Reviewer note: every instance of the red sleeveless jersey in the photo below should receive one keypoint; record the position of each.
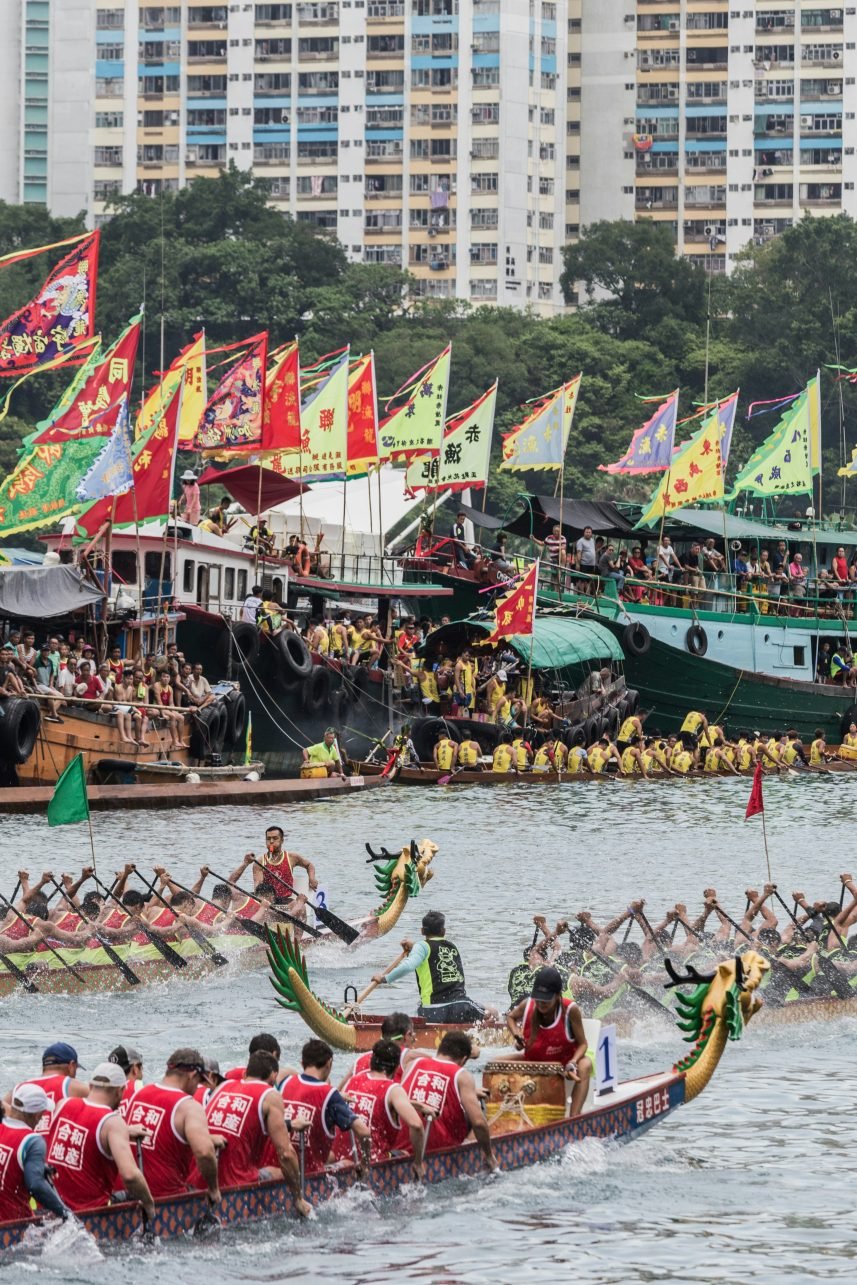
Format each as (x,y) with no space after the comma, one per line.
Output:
(20,928)
(305,1099)
(116,919)
(368,1098)
(433,1083)
(364,1060)
(14,1197)
(209,914)
(70,921)
(132,1088)
(246,910)
(274,869)
(85,1174)
(235,1073)
(554,1043)
(167,1158)
(234,1112)
(56,1087)
(164,918)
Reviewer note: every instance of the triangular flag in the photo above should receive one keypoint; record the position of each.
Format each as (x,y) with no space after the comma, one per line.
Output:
(362,417)
(787,460)
(651,446)
(59,318)
(111,472)
(69,802)
(539,442)
(415,427)
(515,612)
(95,408)
(695,474)
(191,362)
(281,421)
(464,454)
(324,431)
(232,420)
(755,803)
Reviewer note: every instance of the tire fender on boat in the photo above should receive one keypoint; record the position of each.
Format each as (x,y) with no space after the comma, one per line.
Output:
(20,721)
(242,640)
(293,655)
(236,718)
(697,640)
(636,638)
(209,731)
(610,722)
(316,691)
(575,736)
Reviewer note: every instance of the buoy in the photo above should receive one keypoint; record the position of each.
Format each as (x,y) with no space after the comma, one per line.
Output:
(192,778)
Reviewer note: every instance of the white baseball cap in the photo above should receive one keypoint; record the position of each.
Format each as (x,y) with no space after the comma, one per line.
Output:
(107,1075)
(30,1098)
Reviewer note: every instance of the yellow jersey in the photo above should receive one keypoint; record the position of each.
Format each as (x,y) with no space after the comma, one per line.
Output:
(502,759)
(790,754)
(628,729)
(630,763)
(445,753)
(466,675)
(692,722)
(682,762)
(520,753)
(428,686)
(468,754)
(577,760)
(503,710)
(598,757)
(744,756)
(321,640)
(498,693)
(544,752)
(712,761)
(816,752)
(774,749)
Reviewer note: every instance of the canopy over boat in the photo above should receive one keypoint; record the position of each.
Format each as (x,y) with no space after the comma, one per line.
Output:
(39,593)
(558,642)
(739,527)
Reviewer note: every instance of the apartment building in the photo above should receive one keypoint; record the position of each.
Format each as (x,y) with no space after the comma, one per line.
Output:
(428,134)
(726,123)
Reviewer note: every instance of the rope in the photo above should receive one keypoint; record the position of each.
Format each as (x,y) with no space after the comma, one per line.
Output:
(731,696)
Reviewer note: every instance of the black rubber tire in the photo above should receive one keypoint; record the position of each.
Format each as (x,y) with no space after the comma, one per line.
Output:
(636,639)
(486,735)
(294,658)
(426,732)
(696,640)
(241,637)
(610,722)
(575,736)
(340,706)
(209,731)
(362,686)
(19,727)
(236,718)
(316,691)
(633,698)
(623,708)
(591,731)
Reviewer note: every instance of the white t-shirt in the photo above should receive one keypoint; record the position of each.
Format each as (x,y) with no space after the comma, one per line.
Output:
(667,557)
(251,606)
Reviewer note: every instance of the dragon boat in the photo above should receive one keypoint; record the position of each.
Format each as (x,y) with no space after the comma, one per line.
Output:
(398,878)
(524,1129)
(428,774)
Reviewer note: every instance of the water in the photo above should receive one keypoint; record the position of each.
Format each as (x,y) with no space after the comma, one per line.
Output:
(747,1184)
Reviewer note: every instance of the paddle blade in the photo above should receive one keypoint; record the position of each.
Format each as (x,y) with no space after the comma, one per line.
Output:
(337,925)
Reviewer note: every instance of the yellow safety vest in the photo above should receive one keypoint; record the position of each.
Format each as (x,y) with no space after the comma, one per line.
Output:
(502,759)
(468,754)
(445,752)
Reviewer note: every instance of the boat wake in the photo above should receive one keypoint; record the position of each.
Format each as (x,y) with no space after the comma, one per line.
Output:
(67,1243)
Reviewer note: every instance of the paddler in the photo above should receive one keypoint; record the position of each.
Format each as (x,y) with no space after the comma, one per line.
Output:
(693,730)
(470,755)
(551,756)
(131,1064)
(631,759)
(848,748)
(631,731)
(549,1028)
(793,752)
(502,759)
(441,1087)
(376,1096)
(326,754)
(522,753)
(445,754)
(58,1079)
(717,759)
(23,1179)
(440,975)
(818,754)
(601,754)
(396,1028)
(310,1096)
(278,865)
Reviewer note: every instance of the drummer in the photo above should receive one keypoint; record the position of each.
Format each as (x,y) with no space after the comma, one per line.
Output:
(325,754)
(549,1028)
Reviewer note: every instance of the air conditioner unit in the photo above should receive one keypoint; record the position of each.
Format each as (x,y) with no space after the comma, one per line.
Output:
(284,117)
(834,87)
(767,229)
(674,25)
(806,122)
(708,229)
(835,15)
(836,55)
(672,91)
(789,20)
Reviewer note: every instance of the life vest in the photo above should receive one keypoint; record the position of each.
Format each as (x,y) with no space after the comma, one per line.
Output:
(837,665)
(692,722)
(85,1174)
(552,1043)
(628,729)
(369,1098)
(469,754)
(501,760)
(56,1087)
(521,753)
(14,1197)
(630,763)
(234,1112)
(305,1099)
(445,752)
(816,752)
(167,1157)
(432,1082)
(440,977)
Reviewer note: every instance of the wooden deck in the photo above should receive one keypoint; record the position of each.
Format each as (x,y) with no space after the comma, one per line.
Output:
(108,798)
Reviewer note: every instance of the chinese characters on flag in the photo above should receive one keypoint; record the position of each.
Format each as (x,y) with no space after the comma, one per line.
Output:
(95,409)
(59,318)
(515,612)
(281,419)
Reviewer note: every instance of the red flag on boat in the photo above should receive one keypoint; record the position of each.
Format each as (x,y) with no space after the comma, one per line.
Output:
(516,610)
(60,319)
(756,802)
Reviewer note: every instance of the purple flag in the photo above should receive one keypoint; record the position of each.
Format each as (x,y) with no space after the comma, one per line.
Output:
(652,445)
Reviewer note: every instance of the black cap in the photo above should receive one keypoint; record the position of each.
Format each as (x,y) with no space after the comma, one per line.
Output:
(547,984)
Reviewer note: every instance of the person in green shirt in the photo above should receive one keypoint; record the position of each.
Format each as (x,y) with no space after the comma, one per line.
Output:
(326,752)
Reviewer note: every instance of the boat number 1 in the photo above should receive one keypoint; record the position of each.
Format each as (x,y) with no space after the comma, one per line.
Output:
(605,1060)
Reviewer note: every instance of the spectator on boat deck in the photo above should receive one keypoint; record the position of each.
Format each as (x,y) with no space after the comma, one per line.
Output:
(191,502)
(499,560)
(638,570)
(464,555)
(608,567)
(219,521)
(89,686)
(826,592)
(251,605)
(66,678)
(839,567)
(26,649)
(822,664)
(163,696)
(693,567)
(262,538)
(740,568)
(301,558)
(270,618)
(199,689)
(842,667)
(668,564)
(797,577)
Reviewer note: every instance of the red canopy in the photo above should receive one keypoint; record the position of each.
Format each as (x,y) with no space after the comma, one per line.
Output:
(243,485)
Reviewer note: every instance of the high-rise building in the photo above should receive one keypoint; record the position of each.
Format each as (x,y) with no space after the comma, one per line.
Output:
(428,134)
(727,124)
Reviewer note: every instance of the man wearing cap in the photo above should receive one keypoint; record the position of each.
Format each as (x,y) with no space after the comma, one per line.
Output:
(131,1064)
(59,1068)
(211,1080)
(177,1135)
(191,503)
(326,752)
(22,1157)
(89,1147)
(548,1028)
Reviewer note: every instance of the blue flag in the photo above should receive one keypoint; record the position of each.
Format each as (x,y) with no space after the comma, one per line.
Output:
(110,472)
(652,445)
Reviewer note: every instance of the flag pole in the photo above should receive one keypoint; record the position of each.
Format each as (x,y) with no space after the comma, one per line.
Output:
(765,841)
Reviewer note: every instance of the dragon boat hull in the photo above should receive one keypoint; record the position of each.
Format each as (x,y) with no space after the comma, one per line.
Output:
(431,775)
(632,1108)
(799,1010)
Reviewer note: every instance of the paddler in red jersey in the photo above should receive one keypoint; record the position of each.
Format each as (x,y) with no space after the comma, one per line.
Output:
(59,1069)
(177,1136)
(89,1147)
(384,1107)
(397,1028)
(310,1098)
(248,1115)
(131,1064)
(22,1157)
(278,864)
(441,1088)
(549,1028)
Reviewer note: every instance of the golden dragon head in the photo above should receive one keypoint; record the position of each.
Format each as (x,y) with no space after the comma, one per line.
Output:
(720,1006)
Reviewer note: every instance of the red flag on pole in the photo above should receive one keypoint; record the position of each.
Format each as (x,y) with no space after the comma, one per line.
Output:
(516,611)
(756,802)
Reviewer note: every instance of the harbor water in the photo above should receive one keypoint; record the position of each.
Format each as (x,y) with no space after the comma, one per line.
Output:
(751,1183)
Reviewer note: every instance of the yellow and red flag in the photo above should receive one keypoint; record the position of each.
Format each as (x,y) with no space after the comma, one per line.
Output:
(281,418)
(60,318)
(191,363)
(362,417)
(96,406)
(516,610)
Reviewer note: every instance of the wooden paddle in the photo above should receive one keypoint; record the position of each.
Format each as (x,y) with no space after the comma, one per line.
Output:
(837,980)
(124,968)
(338,926)
(64,962)
(195,934)
(373,985)
(651,1000)
(281,914)
(163,948)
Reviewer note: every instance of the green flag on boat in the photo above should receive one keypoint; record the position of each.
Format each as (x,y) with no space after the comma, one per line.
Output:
(69,802)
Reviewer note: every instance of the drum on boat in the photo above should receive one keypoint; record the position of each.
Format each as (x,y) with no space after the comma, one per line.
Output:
(523,1095)
(309,770)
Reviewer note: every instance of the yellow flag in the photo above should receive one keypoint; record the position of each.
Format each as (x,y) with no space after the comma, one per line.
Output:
(696,474)
(192,361)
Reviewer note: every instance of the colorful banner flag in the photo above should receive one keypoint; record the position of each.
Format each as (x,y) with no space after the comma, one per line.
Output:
(362,417)
(324,432)
(153,468)
(69,802)
(652,445)
(416,426)
(540,441)
(281,419)
(40,490)
(516,610)
(232,420)
(725,412)
(191,362)
(464,454)
(788,458)
(111,472)
(59,318)
(695,474)
(95,407)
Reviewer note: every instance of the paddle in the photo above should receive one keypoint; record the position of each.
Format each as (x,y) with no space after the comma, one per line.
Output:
(162,947)
(53,951)
(797,982)
(836,979)
(652,933)
(373,985)
(258,930)
(28,984)
(651,1000)
(195,934)
(336,925)
(445,780)
(124,968)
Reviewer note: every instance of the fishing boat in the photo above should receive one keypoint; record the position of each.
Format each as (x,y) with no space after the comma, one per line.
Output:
(717,1011)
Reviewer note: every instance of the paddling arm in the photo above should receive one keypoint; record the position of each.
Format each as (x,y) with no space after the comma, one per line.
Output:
(190,1122)
(418,954)
(513,1023)
(35,1181)
(475,1115)
(116,1138)
(272,1110)
(412,1120)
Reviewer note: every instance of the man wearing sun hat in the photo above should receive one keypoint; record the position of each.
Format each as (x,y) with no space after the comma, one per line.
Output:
(22,1156)
(89,1146)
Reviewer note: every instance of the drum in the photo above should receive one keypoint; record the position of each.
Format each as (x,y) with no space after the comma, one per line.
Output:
(310,770)
(523,1095)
